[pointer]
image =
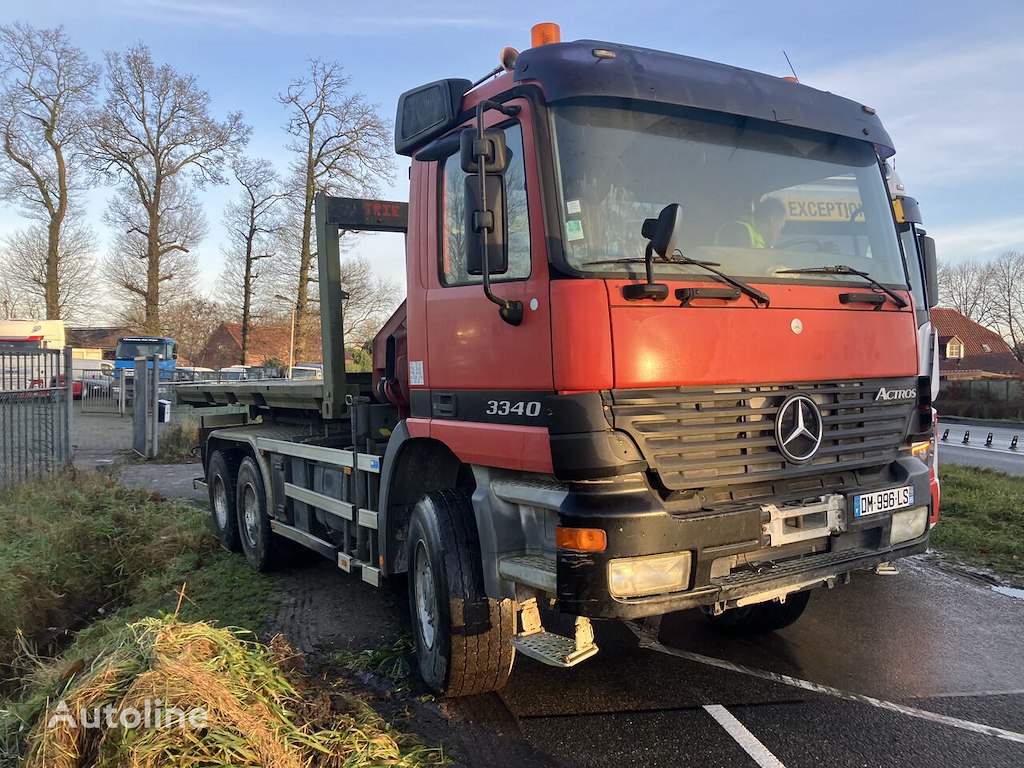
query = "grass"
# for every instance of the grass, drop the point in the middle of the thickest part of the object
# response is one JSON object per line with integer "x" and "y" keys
{"x": 81, "y": 555}
{"x": 72, "y": 543}
{"x": 981, "y": 520}
{"x": 82, "y": 552}
{"x": 390, "y": 661}
{"x": 177, "y": 441}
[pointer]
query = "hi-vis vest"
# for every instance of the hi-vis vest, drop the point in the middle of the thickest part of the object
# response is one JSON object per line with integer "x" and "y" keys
{"x": 756, "y": 239}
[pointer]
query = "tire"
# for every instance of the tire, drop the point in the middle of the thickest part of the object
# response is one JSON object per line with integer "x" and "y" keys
{"x": 763, "y": 617}
{"x": 259, "y": 543}
{"x": 221, "y": 477}
{"x": 463, "y": 638}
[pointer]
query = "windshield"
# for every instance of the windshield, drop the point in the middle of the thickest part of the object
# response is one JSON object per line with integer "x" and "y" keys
{"x": 757, "y": 198}
{"x": 20, "y": 346}
{"x": 129, "y": 350}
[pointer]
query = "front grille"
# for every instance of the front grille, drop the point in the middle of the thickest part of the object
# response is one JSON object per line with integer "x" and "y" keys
{"x": 698, "y": 438}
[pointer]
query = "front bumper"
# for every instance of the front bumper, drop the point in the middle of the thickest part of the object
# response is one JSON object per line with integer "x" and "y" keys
{"x": 636, "y": 524}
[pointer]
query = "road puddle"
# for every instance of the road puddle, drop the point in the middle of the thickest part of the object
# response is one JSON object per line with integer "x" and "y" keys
{"x": 1010, "y": 592}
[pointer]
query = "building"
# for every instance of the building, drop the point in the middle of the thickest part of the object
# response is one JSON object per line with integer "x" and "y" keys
{"x": 968, "y": 350}
{"x": 97, "y": 337}
{"x": 267, "y": 342}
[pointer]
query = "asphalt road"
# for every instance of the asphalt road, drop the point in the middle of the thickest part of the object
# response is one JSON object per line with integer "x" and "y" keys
{"x": 975, "y": 453}
{"x": 922, "y": 645}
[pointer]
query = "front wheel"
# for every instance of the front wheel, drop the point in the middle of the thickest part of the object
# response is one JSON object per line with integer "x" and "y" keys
{"x": 762, "y": 617}
{"x": 463, "y": 638}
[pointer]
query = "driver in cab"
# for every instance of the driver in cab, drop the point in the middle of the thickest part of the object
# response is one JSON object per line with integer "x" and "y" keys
{"x": 762, "y": 231}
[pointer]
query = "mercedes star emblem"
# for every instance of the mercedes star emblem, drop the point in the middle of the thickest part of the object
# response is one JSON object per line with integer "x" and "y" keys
{"x": 798, "y": 428}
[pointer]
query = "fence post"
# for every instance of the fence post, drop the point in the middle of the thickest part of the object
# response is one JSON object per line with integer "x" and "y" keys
{"x": 154, "y": 416}
{"x": 69, "y": 397}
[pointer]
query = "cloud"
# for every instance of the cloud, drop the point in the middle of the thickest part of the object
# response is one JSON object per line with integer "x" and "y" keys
{"x": 253, "y": 16}
{"x": 982, "y": 240}
{"x": 953, "y": 112}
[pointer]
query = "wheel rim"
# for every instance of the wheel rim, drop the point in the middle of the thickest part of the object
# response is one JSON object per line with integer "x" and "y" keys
{"x": 220, "y": 503}
{"x": 426, "y": 604}
{"x": 251, "y": 515}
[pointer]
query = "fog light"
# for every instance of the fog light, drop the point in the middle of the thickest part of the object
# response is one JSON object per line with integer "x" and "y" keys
{"x": 908, "y": 524}
{"x": 650, "y": 575}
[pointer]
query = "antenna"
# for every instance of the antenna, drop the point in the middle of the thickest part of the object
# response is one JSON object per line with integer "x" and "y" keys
{"x": 790, "y": 65}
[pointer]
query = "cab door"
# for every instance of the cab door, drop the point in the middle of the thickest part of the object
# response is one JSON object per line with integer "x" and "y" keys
{"x": 484, "y": 381}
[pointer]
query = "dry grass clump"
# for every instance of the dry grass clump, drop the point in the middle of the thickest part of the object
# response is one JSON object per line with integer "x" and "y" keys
{"x": 255, "y": 715}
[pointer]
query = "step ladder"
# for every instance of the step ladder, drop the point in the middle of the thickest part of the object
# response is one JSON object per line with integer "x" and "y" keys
{"x": 547, "y": 647}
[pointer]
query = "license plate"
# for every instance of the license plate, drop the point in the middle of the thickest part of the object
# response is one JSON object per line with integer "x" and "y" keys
{"x": 883, "y": 501}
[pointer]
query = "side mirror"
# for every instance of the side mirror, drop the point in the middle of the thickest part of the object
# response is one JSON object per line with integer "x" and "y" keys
{"x": 486, "y": 215}
{"x": 664, "y": 231}
{"x": 931, "y": 269}
{"x": 492, "y": 146}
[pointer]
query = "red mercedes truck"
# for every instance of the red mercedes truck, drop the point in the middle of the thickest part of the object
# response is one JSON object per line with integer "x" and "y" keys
{"x": 592, "y": 400}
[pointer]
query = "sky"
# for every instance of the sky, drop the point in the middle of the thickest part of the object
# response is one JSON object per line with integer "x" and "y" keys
{"x": 946, "y": 77}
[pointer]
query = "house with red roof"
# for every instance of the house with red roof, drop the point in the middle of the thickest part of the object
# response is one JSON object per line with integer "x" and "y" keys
{"x": 968, "y": 350}
{"x": 266, "y": 342}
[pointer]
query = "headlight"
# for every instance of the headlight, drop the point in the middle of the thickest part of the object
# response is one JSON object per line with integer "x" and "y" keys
{"x": 650, "y": 575}
{"x": 908, "y": 524}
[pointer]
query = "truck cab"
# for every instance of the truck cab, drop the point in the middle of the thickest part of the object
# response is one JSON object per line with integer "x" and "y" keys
{"x": 595, "y": 397}
{"x": 130, "y": 347}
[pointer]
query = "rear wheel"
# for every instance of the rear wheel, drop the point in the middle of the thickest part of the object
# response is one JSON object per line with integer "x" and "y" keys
{"x": 763, "y": 617}
{"x": 463, "y": 638}
{"x": 221, "y": 476}
{"x": 259, "y": 543}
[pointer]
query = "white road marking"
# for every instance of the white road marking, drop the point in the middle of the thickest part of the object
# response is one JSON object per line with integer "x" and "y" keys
{"x": 758, "y": 751}
{"x": 954, "y": 722}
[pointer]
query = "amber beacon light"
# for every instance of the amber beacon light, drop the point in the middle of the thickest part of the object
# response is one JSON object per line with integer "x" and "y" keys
{"x": 542, "y": 34}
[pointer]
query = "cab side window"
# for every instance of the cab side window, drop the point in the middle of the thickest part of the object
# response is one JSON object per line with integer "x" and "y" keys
{"x": 453, "y": 235}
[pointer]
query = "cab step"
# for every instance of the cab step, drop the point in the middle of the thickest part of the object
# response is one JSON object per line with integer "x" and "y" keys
{"x": 547, "y": 647}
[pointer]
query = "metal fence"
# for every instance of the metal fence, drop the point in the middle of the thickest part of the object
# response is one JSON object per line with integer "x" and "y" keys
{"x": 35, "y": 413}
{"x": 983, "y": 389}
{"x": 100, "y": 392}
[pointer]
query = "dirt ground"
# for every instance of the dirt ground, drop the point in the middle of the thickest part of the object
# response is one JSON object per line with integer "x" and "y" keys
{"x": 322, "y": 611}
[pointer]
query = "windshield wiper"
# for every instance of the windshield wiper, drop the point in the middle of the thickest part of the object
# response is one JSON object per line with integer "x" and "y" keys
{"x": 759, "y": 297}
{"x": 843, "y": 269}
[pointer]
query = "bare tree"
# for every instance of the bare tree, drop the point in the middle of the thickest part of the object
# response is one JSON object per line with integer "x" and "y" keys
{"x": 49, "y": 86}
{"x": 10, "y": 302}
{"x": 253, "y": 223}
{"x": 1007, "y": 295}
{"x": 191, "y": 318}
{"x": 128, "y": 268}
{"x": 25, "y": 264}
{"x": 341, "y": 146}
{"x": 155, "y": 129}
{"x": 966, "y": 286}
{"x": 371, "y": 300}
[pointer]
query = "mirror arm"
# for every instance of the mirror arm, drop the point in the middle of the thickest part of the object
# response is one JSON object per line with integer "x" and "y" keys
{"x": 650, "y": 289}
{"x": 510, "y": 311}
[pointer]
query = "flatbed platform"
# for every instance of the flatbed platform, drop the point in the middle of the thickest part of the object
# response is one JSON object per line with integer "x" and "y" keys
{"x": 292, "y": 395}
